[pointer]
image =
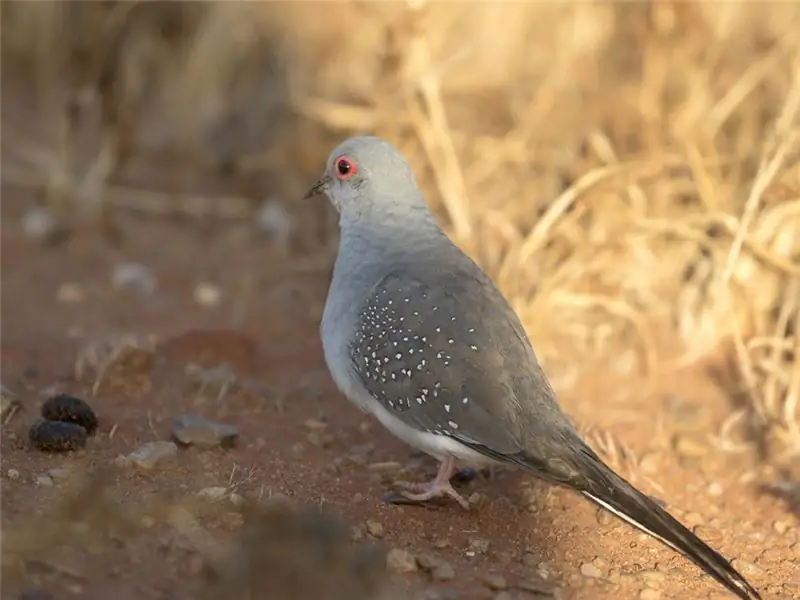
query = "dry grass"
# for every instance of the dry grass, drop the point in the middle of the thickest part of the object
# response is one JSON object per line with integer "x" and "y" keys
{"x": 627, "y": 172}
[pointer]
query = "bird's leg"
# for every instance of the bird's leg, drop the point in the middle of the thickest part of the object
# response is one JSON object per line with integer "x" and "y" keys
{"x": 440, "y": 486}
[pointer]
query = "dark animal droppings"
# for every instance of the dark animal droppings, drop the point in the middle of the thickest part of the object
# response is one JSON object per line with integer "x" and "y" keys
{"x": 70, "y": 409}
{"x": 57, "y": 436}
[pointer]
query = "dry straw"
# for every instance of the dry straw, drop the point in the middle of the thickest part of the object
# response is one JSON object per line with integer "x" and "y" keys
{"x": 628, "y": 172}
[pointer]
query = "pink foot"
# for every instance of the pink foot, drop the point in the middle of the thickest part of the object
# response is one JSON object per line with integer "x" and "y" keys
{"x": 440, "y": 486}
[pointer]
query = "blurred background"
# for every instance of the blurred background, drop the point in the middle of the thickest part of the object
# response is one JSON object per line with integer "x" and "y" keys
{"x": 628, "y": 173}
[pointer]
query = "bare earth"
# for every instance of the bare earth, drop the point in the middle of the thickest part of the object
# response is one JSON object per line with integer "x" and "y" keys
{"x": 300, "y": 438}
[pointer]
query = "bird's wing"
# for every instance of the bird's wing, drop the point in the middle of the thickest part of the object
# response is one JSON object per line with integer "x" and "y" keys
{"x": 444, "y": 356}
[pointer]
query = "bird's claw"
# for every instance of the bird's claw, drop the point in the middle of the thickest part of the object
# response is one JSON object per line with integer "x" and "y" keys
{"x": 423, "y": 492}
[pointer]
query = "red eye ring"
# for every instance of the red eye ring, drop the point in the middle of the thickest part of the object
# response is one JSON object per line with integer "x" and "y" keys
{"x": 344, "y": 168}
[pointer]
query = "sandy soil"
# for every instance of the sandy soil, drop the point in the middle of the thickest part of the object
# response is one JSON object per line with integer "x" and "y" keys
{"x": 300, "y": 438}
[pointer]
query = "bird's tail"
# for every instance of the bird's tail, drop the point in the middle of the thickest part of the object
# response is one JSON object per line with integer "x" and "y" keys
{"x": 596, "y": 481}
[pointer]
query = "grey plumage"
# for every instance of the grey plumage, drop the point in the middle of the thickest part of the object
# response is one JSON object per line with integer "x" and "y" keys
{"x": 415, "y": 333}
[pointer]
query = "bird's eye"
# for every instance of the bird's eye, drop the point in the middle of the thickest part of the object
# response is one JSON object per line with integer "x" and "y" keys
{"x": 345, "y": 168}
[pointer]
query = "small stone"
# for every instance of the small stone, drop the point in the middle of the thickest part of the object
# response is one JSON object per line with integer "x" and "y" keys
{"x": 706, "y": 533}
{"x": 236, "y": 499}
{"x": 650, "y": 594}
{"x": 690, "y": 446}
{"x": 298, "y": 449}
{"x": 589, "y": 570}
{"x": 70, "y": 293}
{"x": 715, "y": 489}
{"x": 653, "y": 578}
{"x": 400, "y": 561}
{"x": 357, "y": 533}
{"x": 12, "y": 474}
{"x": 213, "y": 494}
{"x": 495, "y": 581}
{"x": 315, "y": 425}
{"x": 780, "y": 527}
{"x": 147, "y": 521}
{"x": 70, "y": 409}
{"x": 443, "y": 572}
{"x": 40, "y": 224}
{"x": 207, "y": 294}
{"x": 59, "y": 474}
{"x": 375, "y": 529}
{"x": 196, "y": 431}
{"x": 746, "y": 567}
{"x": 9, "y": 402}
{"x": 478, "y": 545}
{"x": 604, "y": 517}
{"x": 57, "y": 436}
{"x": 44, "y": 481}
{"x": 693, "y": 518}
{"x": 475, "y": 499}
{"x": 152, "y": 455}
{"x": 135, "y": 277}
{"x": 439, "y": 569}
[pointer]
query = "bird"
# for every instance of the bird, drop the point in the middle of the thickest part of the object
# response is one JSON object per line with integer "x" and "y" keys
{"x": 416, "y": 334}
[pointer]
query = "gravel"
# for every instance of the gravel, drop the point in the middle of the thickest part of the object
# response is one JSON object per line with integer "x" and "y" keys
{"x": 400, "y": 561}
{"x": 151, "y": 455}
{"x": 203, "y": 433}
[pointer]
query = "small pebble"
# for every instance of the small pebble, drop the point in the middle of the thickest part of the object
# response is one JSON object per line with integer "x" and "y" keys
{"x": 443, "y": 572}
{"x": 40, "y": 224}
{"x": 650, "y": 594}
{"x": 495, "y": 581}
{"x": 780, "y": 527}
{"x": 44, "y": 481}
{"x": 196, "y": 431}
{"x": 134, "y": 276}
{"x": 70, "y": 409}
{"x": 357, "y": 533}
{"x": 375, "y": 529}
{"x": 604, "y": 517}
{"x": 59, "y": 474}
{"x": 746, "y": 567}
{"x": 212, "y": 494}
{"x": 693, "y": 518}
{"x": 715, "y": 489}
{"x": 478, "y": 545}
{"x": 9, "y": 402}
{"x": 70, "y": 293}
{"x": 589, "y": 570}
{"x": 12, "y": 474}
{"x": 207, "y": 294}
{"x": 57, "y": 436}
{"x": 236, "y": 499}
{"x": 152, "y": 455}
{"x": 400, "y": 561}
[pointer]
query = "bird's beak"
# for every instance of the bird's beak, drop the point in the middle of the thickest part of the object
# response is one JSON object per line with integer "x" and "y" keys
{"x": 318, "y": 187}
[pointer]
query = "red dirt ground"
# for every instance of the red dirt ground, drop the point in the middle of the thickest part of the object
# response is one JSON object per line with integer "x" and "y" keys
{"x": 265, "y": 327}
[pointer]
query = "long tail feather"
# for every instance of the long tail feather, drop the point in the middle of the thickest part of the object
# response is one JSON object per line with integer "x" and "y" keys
{"x": 597, "y": 482}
